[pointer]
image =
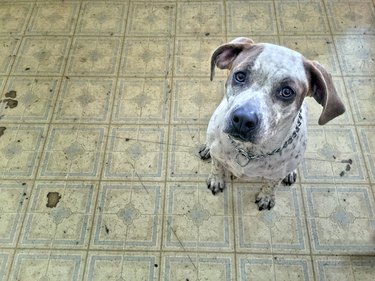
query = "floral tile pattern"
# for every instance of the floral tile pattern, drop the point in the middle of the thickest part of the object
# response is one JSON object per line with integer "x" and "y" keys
{"x": 198, "y": 267}
{"x": 42, "y": 55}
{"x": 333, "y": 155}
{"x": 128, "y": 216}
{"x": 191, "y": 225}
{"x": 151, "y": 19}
{"x": 344, "y": 268}
{"x": 59, "y": 215}
{"x": 14, "y": 17}
{"x": 254, "y": 17}
{"x": 200, "y": 19}
{"x": 355, "y": 54}
{"x": 265, "y": 267}
{"x": 349, "y": 17}
{"x": 102, "y": 19}
{"x": 146, "y": 56}
{"x": 94, "y": 56}
{"x": 265, "y": 231}
{"x": 104, "y": 106}
{"x": 194, "y": 101}
{"x": 53, "y": 19}
{"x": 20, "y": 150}
{"x": 142, "y": 101}
{"x": 133, "y": 266}
{"x": 136, "y": 153}
{"x": 345, "y": 210}
{"x": 305, "y": 17}
{"x": 73, "y": 152}
{"x": 35, "y": 99}
{"x": 184, "y": 146}
{"x": 361, "y": 96}
{"x": 45, "y": 265}
{"x": 85, "y": 100}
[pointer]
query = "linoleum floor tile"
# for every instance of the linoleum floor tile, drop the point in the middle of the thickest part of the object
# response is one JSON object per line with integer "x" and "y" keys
{"x": 104, "y": 106}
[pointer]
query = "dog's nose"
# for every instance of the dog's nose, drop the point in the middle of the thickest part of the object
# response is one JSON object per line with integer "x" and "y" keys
{"x": 244, "y": 121}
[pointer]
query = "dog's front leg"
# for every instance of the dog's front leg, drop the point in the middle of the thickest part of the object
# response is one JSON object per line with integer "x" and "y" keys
{"x": 266, "y": 197}
{"x": 216, "y": 179}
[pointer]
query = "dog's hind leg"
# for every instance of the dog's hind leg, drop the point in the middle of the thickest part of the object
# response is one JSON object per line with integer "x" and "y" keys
{"x": 204, "y": 152}
{"x": 291, "y": 178}
{"x": 266, "y": 197}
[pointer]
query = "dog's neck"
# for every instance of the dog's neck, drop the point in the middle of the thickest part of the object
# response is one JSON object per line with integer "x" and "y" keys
{"x": 244, "y": 156}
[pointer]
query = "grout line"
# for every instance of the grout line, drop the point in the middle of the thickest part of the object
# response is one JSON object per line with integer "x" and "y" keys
{"x": 194, "y": 251}
{"x": 177, "y": 180}
{"x": 170, "y": 82}
{"x": 168, "y": 181}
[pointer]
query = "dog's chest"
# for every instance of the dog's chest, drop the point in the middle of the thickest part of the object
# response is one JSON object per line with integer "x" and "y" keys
{"x": 275, "y": 166}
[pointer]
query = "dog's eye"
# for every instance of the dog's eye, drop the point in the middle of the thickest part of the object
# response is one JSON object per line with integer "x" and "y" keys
{"x": 240, "y": 77}
{"x": 286, "y": 93}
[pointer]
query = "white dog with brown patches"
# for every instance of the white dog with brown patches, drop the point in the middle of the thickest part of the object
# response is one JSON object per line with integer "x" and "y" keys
{"x": 259, "y": 128}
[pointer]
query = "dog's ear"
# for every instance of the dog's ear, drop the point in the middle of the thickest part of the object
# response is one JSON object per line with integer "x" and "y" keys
{"x": 224, "y": 55}
{"x": 324, "y": 92}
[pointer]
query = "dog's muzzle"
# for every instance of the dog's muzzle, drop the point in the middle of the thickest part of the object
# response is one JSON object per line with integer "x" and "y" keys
{"x": 243, "y": 123}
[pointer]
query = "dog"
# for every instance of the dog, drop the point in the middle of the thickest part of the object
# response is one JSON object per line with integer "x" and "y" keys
{"x": 259, "y": 130}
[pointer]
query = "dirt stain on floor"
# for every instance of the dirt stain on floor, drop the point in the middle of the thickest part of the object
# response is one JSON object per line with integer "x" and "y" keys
{"x": 348, "y": 166}
{"x": 11, "y": 94}
{"x": 2, "y": 130}
{"x": 53, "y": 198}
{"x": 10, "y": 101}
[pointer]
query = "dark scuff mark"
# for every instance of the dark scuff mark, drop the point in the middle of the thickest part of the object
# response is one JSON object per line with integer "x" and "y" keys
{"x": 11, "y": 94}
{"x": 53, "y": 198}
{"x": 2, "y": 130}
{"x": 10, "y": 103}
{"x": 348, "y": 167}
{"x": 349, "y": 161}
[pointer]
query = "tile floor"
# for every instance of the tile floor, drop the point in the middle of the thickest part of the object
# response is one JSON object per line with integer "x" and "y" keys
{"x": 103, "y": 107}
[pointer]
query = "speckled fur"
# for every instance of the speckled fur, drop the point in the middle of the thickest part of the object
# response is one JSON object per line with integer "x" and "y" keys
{"x": 268, "y": 65}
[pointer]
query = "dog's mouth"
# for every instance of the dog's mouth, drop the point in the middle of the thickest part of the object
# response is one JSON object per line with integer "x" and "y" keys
{"x": 241, "y": 138}
{"x": 237, "y": 137}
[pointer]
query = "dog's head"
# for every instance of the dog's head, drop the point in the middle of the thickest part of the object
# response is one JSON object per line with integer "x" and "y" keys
{"x": 266, "y": 87}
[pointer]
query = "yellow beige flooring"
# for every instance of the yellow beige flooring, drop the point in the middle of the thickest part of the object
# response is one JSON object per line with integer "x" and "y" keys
{"x": 103, "y": 107}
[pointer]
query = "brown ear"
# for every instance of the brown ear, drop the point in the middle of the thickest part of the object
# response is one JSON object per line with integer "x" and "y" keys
{"x": 224, "y": 55}
{"x": 324, "y": 92}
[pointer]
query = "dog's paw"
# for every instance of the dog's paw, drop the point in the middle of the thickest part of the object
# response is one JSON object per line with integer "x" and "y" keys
{"x": 291, "y": 178}
{"x": 215, "y": 184}
{"x": 204, "y": 152}
{"x": 265, "y": 201}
